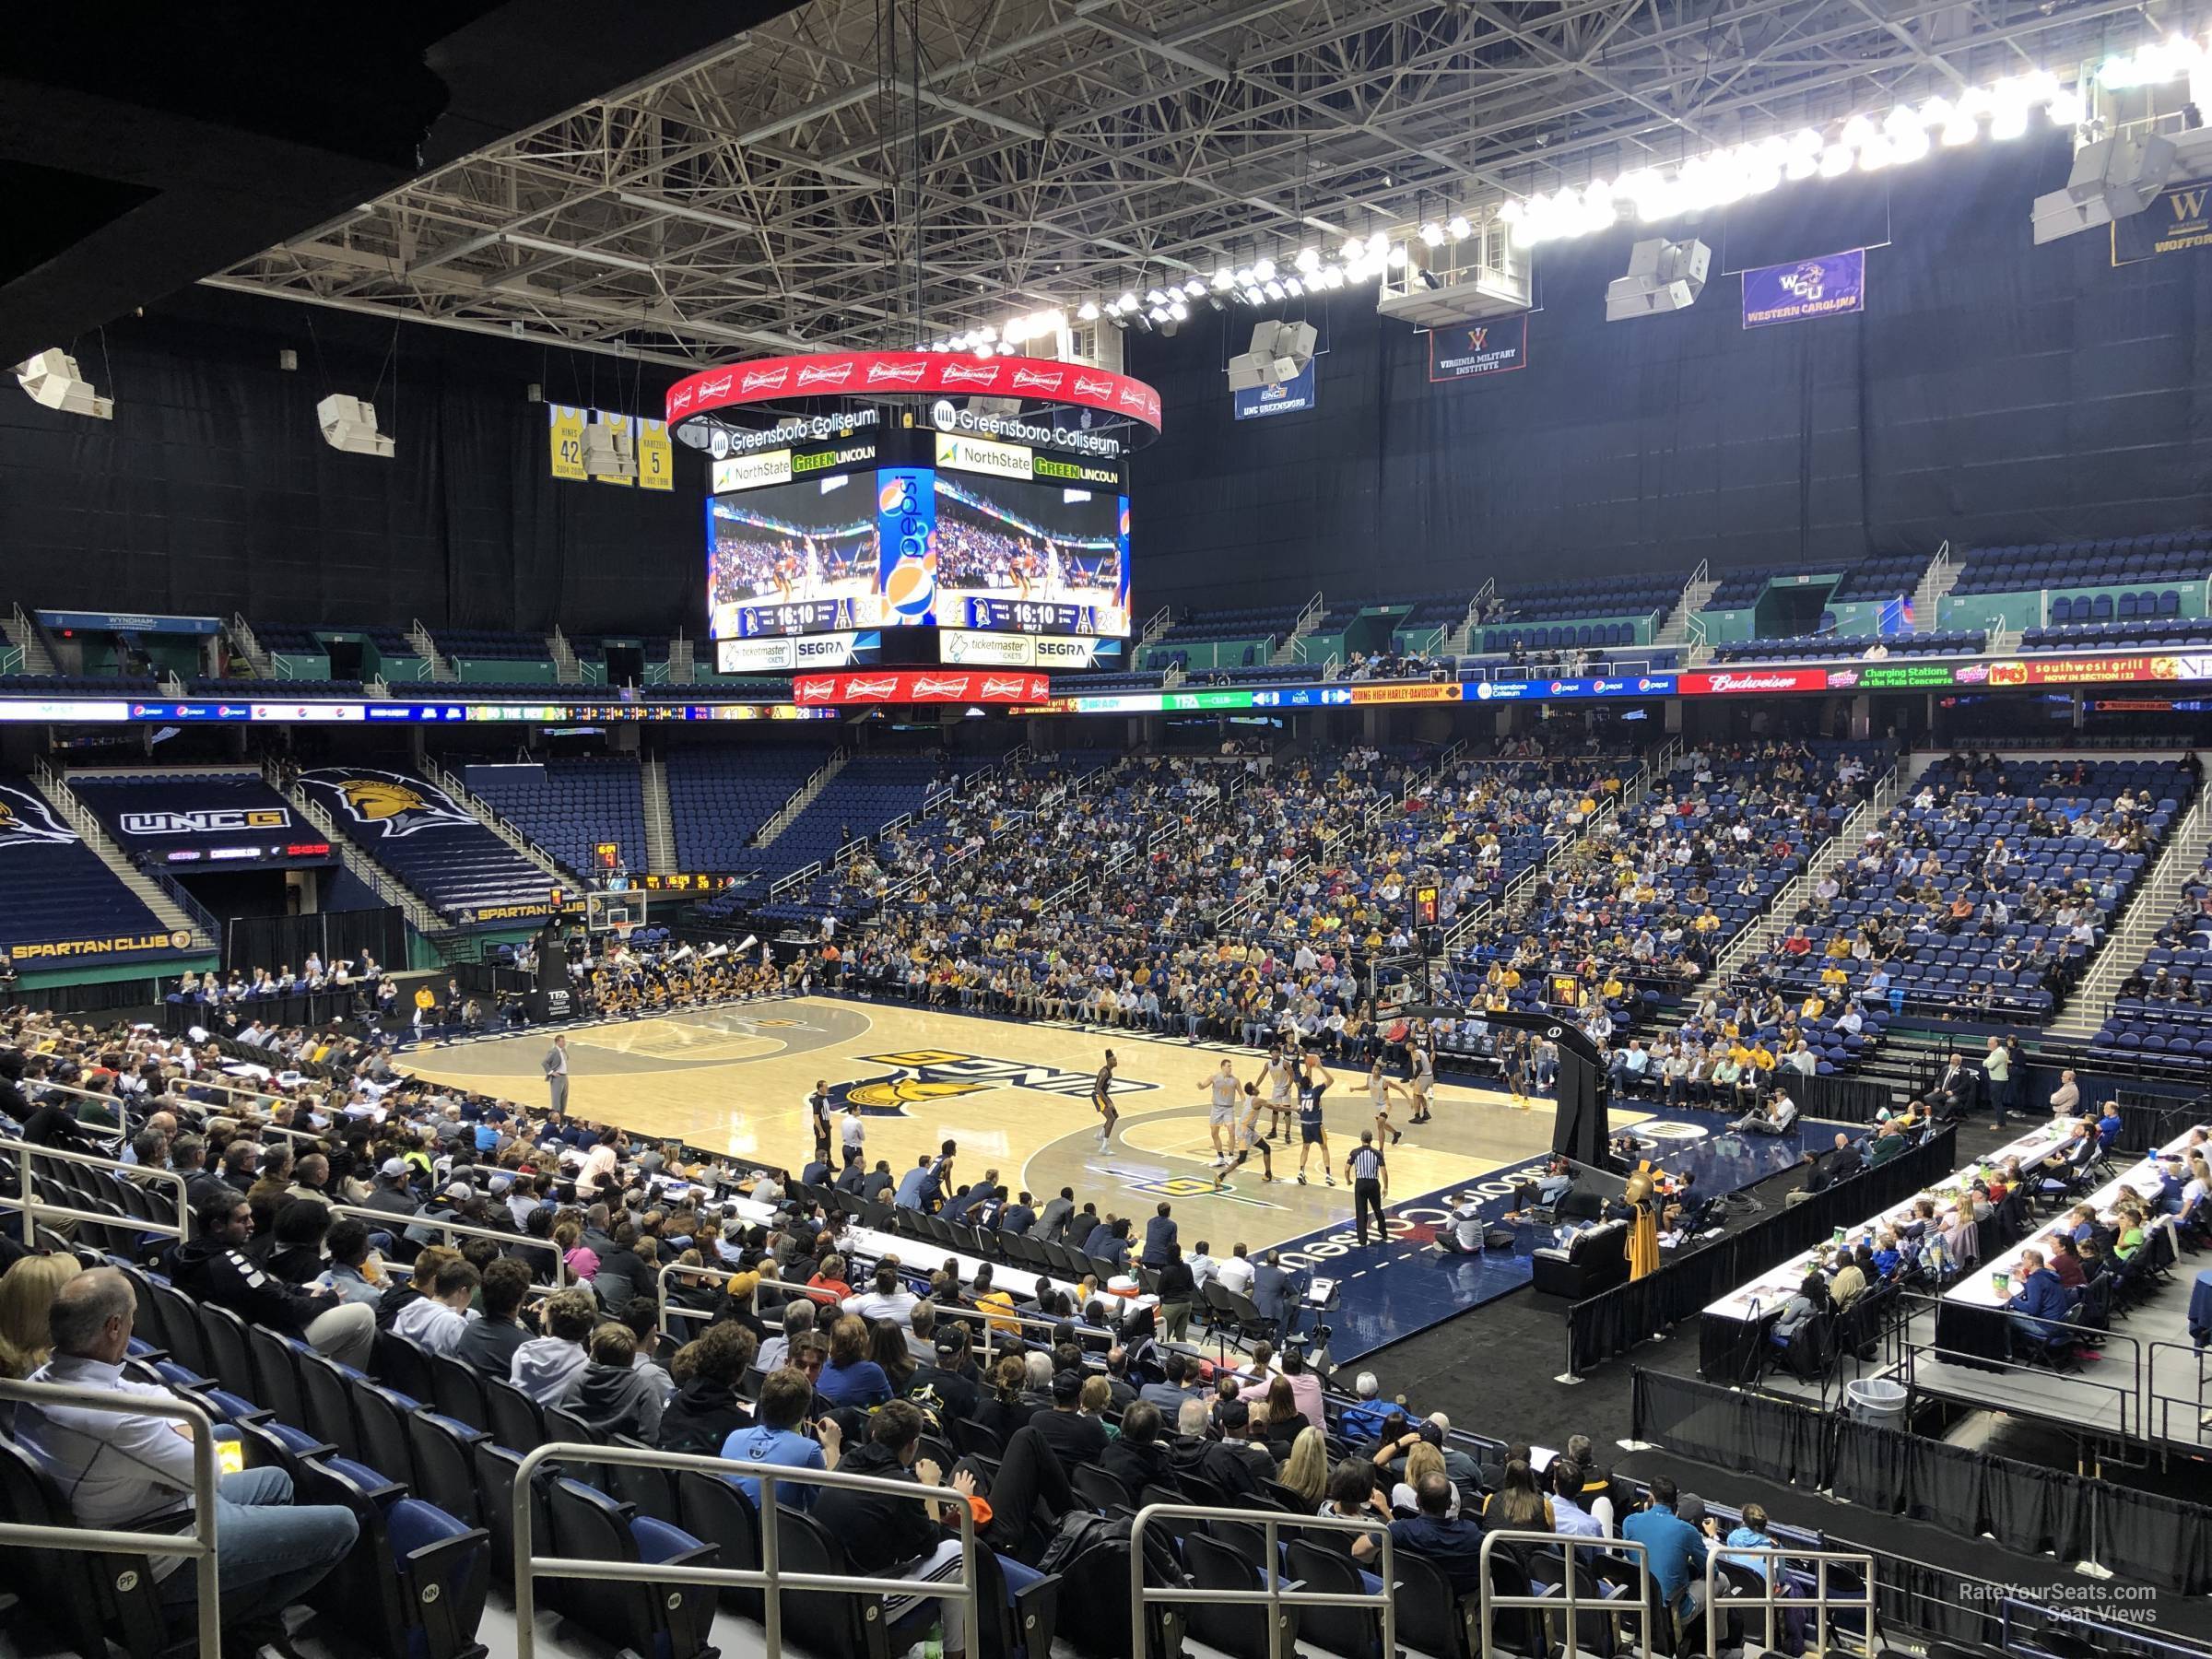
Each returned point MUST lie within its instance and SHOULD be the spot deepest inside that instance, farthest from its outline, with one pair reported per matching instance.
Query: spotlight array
(1867, 142)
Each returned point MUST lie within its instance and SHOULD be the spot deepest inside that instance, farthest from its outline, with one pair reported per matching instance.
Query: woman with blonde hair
(26, 1293)
(1306, 1470)
(1421, 1461)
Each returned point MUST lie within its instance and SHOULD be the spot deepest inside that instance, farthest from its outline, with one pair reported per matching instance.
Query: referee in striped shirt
(1368, 1173)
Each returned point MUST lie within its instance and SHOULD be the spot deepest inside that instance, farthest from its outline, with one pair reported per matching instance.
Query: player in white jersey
(1248, 1140)
(1379, 1090)
(1422, 1082)
(1281, 1078)
(1221, 1113)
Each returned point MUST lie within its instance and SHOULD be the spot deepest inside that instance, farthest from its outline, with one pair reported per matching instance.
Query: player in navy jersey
(1313, 1083)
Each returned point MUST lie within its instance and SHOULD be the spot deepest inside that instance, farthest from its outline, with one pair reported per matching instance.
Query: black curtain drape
(272, 942)
(2156, 1540)
(1615, 1321)
(1844, 1100)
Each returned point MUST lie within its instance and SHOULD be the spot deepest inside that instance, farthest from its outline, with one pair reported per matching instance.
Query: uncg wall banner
(1294, 396)
(2179, 221)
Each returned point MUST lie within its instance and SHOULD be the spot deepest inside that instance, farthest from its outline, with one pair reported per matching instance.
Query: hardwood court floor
(1016, 1096)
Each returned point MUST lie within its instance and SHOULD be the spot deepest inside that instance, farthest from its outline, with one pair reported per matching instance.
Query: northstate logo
(390, 803)
(924, 1076)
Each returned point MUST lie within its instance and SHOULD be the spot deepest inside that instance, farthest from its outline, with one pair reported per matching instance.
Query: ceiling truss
(777, 193)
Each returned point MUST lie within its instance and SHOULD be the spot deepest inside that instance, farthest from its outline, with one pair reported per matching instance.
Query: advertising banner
(920, 685)
(1293, 397)
(2178, 221)
(1825, 287)
(1472, 350)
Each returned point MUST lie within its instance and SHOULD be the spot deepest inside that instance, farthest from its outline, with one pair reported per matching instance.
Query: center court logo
(924, 1076)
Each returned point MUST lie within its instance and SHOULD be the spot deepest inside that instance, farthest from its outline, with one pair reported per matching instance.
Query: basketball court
(1015, 1095)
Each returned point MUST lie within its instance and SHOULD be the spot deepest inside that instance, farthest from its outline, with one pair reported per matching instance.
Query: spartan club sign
(919, 685)
(887, 374)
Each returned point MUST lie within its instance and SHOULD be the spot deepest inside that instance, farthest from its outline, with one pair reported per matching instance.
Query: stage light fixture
(1431, 234)
(1663, 277)
(1224, 278)
(1251, 296)
(349, 425)
(1272, 290)
(1278, 352)
(1262, 270)
(1087, 311)
(1333, 277)
(1178, 310)
(1353, 247)
(1155, 298)
(1127, 302)
(1308, 261)
(53, 381)
(609, 451)
(1378, 245)
(1395, 259)
(1192, 288)
(1293, 287)
(2113, 178)
(1459, 229)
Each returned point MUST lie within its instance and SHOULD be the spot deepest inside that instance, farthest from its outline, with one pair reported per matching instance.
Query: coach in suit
(1052, 1224)
(556, 1067)
(1275, 1292)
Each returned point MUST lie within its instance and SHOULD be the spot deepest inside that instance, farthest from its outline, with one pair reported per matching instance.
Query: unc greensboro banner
(1825, 287)
(1293, 397)
(1472, 350)
(2178, 220)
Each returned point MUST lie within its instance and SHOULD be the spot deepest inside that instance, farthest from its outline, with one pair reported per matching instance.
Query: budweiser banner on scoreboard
(921, 686)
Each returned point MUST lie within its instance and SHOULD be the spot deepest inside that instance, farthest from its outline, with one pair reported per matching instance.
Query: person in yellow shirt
(1834, 977)
(1763, 1057)
(1612, 988)
(1812, 1007)
(1511, 979)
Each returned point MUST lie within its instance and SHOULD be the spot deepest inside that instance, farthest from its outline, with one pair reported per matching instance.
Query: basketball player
(1280, 1075)
(1221, 1115)
(1311, 1131)
(1101, 1102)
(1379, 1090)
(1423, 1080)
(1248, 1140)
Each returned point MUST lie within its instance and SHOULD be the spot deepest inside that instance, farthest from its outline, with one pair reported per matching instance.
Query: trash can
(1875, 1403)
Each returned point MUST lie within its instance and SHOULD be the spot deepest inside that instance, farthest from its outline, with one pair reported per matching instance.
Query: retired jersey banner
(656, 455)
(2179, 221)
(568, 441)
(1472, 350)
(1804, 289)
(620, 423)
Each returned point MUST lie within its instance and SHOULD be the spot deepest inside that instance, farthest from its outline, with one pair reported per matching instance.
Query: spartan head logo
(25, 820)
(892, 1094)
(390, 803)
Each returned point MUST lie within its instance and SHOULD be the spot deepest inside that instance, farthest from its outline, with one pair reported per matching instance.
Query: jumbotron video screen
(1030, 557)
(793, 559)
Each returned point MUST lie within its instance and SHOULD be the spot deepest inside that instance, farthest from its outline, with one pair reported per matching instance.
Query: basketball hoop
(622, 930)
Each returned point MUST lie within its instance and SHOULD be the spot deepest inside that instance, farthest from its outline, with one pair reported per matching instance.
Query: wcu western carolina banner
(1825, 287)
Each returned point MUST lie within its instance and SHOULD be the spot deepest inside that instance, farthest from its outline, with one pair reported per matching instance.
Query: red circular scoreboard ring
(921, 686)
(911, 374)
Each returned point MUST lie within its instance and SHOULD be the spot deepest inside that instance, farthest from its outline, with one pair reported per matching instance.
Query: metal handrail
(1275, 1597)
(198, 1545)
(448, 1229)
(1771, 1602)
(2164, 1403)
(35, 1210)
(768, 1576)
(1567, 1601)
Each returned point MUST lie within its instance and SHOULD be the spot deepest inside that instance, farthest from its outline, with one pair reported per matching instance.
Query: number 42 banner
(649, 444)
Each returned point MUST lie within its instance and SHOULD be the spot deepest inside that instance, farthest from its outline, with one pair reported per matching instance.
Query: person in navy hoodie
(2040, 1305)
